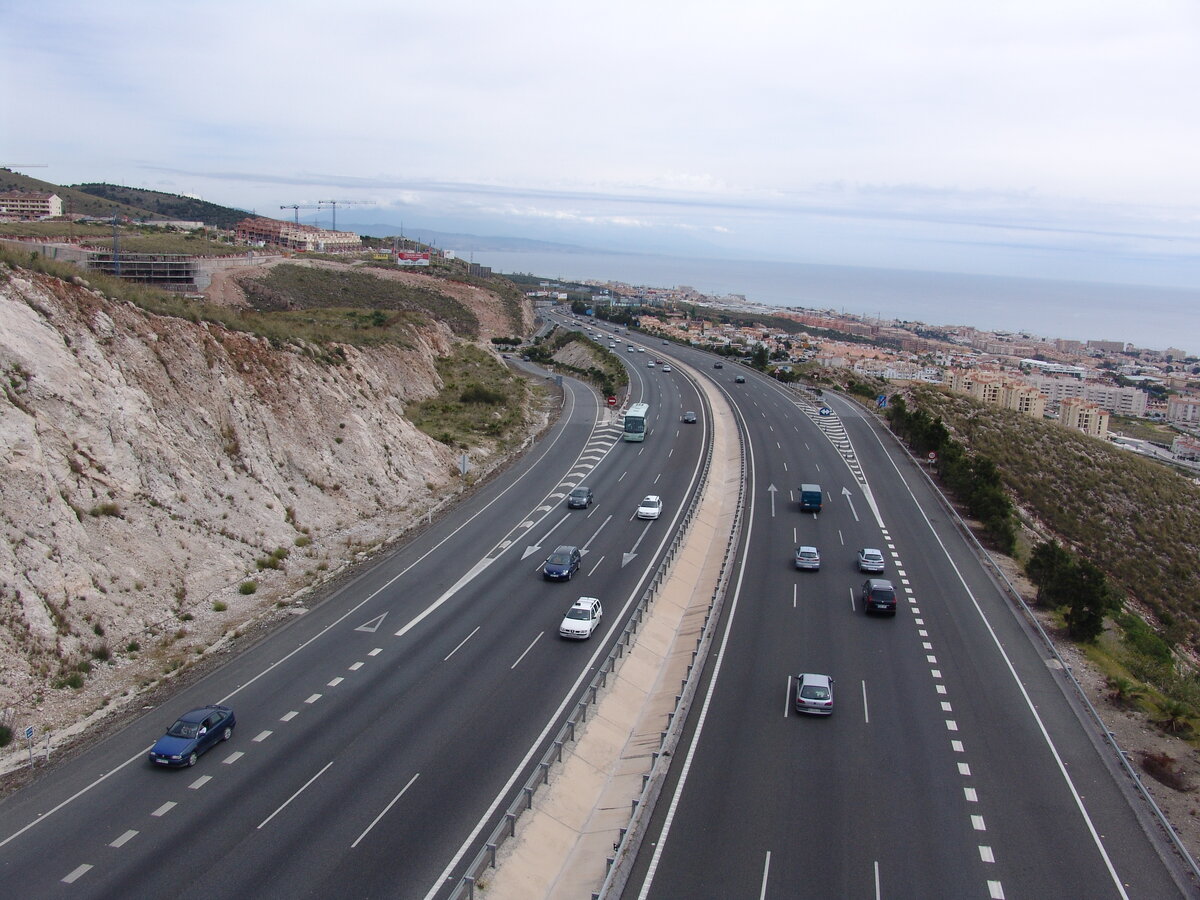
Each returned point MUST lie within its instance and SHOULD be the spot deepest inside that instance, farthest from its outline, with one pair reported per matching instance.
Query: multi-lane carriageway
(381, 733)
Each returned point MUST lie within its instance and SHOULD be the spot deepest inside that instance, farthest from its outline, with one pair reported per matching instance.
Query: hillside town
(1082, 384)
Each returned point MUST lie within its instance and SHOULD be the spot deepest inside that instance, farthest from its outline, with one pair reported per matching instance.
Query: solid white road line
(527, 649)
(762, 892)
(295, 795)
(463, 641)
(383, 813)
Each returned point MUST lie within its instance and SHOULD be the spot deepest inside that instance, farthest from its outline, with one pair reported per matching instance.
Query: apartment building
(1084, 416)
(290, 236)
(1121, 401)
(30, 205)
(1183, 410)
(997, 389)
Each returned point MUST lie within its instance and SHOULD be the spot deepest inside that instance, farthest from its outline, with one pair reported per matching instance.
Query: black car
(718, 365)
(562, 563)
(878, 595)
(193, 733)
(740, 379)
(580, 498)
(689, 418)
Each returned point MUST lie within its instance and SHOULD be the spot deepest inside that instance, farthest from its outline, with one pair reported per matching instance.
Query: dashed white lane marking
(288, 716)
(164, 809)
(76, 874)
(199, 782)
(940, 688)
(313, 699)
(936, 673)
(925, 645)
(124, 839)
(951, 725)
(376, 651)
(262, 736)
(336, 682)
(977, 823)
(970, 794)
(232, 758)
(931, 659)
(956, 746)
(964, 769)
(995, 890)
(985, 853)
(356, 667)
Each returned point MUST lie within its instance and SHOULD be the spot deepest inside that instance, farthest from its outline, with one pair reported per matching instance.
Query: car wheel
(227, 734)
(192, 759)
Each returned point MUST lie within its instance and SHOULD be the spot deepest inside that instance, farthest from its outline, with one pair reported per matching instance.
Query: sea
(1150, 317)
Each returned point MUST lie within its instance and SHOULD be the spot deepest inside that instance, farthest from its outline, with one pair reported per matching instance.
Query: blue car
(192, 734)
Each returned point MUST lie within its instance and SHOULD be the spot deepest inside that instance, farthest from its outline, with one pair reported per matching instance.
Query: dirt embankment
(166, 482)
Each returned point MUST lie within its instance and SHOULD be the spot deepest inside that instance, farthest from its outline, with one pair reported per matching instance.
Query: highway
(381, 734)
(955, 763)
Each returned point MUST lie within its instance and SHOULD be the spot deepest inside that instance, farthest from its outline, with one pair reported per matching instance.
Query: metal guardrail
(486, 857)
(997, 574)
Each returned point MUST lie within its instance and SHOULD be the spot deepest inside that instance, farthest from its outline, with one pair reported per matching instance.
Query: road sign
(932, 456)
(612, 401)
(826, 411)
(28, 732)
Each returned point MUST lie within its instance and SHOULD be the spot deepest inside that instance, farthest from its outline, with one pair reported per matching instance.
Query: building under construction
(289, 236)
(169, 271)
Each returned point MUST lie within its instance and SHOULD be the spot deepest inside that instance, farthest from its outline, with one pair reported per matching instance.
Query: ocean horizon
(1142, 315)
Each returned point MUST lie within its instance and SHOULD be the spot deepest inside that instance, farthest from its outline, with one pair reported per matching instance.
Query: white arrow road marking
(372, 626)
(772, 490)
(846, 494)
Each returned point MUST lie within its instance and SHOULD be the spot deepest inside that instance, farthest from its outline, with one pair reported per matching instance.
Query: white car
(650, 364)
(870, 560)
(650, 507)
(581, 619)
(666, 368)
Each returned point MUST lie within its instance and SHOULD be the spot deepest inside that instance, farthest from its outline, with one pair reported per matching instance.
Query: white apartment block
(30, 205)
(1123, 401)
(1183, 410)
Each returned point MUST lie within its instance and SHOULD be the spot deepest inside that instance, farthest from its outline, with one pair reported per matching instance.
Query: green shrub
(220, 606)
(247, 587)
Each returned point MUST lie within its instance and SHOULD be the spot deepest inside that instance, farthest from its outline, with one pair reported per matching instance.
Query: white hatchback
(650, 507)
(581, 619)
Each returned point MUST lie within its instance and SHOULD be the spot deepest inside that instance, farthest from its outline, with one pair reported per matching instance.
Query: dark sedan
(193, 733)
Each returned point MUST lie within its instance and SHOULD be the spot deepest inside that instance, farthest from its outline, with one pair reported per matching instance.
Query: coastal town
(1094, 386)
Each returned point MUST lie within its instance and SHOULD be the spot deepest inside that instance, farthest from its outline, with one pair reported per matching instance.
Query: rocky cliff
(166, 481)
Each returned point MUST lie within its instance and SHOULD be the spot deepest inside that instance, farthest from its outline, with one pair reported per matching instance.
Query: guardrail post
(558, 745)
(491, 849)
(512, 824)
(528, 797)
(470, 882)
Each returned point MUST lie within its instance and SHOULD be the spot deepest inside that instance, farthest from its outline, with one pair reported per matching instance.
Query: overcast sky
(1056, 139)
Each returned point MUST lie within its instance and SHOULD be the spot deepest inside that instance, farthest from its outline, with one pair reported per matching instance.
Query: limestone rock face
(152, 465)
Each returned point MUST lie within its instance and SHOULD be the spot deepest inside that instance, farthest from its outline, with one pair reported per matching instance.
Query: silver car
(814, 694)
(870, 560)
(808, 558)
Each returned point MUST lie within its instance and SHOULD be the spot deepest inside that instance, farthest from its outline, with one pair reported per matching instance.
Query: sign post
(29, 741)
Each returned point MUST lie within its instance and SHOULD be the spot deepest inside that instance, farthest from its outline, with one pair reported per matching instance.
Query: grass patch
(247, 587)
(480, 400)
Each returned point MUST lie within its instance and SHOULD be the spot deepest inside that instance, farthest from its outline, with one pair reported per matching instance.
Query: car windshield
(814, 692)
(579, 493)
(579, 614)
(184, 730)
(557, 559)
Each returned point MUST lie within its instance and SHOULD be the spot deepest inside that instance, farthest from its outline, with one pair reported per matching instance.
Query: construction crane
(336, 203)
(297, 207)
